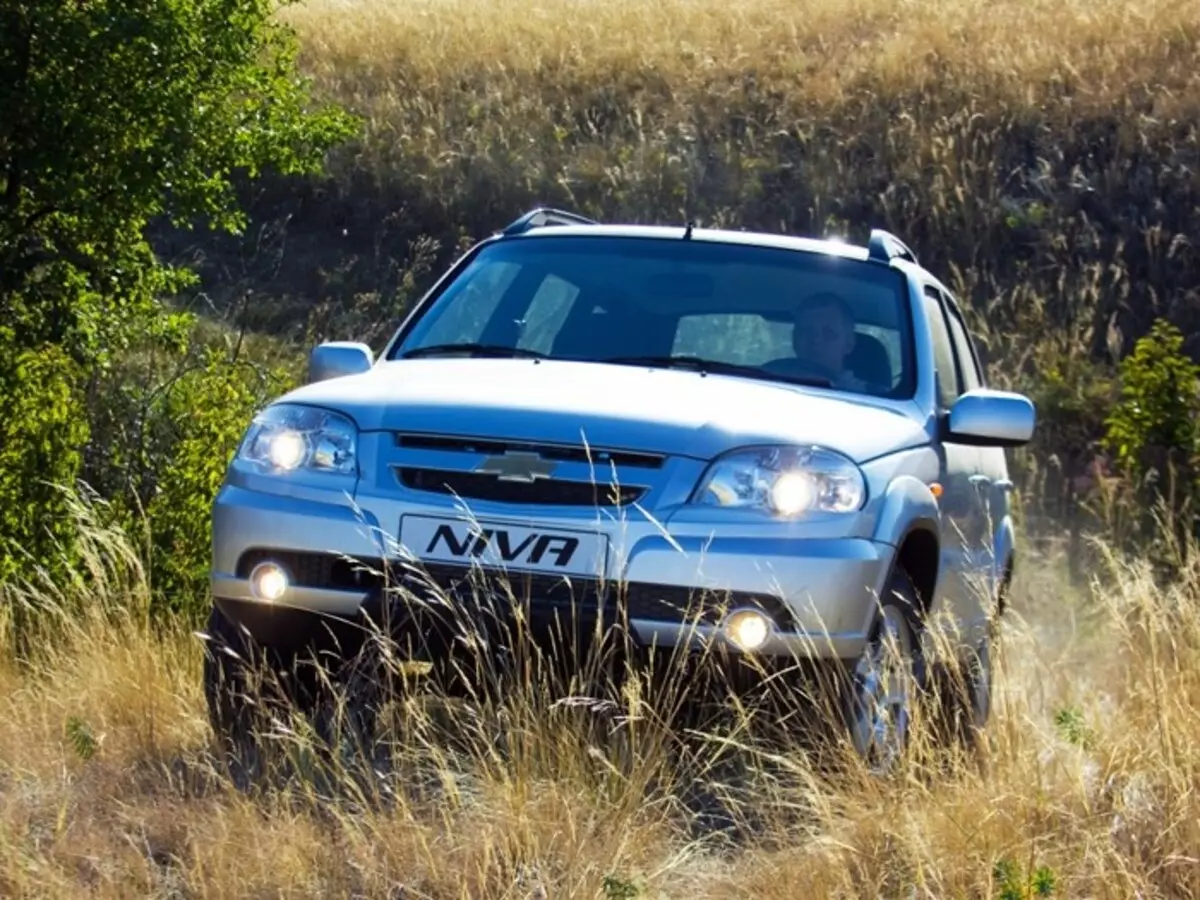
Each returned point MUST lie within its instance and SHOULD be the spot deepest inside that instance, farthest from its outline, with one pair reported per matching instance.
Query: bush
(43, 425)
(1154, 429)
(206, 411)
(1157, 414)
(118, 114)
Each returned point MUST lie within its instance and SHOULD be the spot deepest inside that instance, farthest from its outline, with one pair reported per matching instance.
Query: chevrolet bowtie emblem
(523, 467)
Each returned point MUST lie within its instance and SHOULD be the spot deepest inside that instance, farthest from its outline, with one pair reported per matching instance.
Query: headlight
(787, 481)
(284, 438)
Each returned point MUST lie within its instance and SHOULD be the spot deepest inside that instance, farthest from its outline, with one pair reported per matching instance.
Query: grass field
(1085, 785)
(1099, 53)
(606, 97)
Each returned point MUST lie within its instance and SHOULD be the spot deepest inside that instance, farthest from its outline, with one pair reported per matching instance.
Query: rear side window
(948, 386)
(968, 364)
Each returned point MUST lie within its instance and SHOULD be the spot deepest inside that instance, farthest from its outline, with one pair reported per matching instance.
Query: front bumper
(672, 589)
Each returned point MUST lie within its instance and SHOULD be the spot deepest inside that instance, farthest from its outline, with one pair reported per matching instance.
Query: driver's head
(823, 331)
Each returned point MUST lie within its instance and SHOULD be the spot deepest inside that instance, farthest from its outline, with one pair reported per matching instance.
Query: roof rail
(885, 246)
(545, 215)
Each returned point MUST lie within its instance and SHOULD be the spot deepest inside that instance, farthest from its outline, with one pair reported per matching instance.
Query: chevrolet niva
(626, 418)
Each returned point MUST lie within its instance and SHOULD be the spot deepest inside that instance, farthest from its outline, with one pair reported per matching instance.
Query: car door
(960, 470)
(991, 482)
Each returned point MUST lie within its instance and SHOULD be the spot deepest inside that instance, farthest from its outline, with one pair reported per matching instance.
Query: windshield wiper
(493, 350)
(700, 364)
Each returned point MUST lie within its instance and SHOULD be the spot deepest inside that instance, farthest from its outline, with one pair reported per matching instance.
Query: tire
(969, 694)
(879, 726)
(980, 682)
(981, 673)
(226, 653)
(241, 682)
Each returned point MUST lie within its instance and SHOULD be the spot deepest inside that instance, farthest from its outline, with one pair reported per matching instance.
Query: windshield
(753, 311)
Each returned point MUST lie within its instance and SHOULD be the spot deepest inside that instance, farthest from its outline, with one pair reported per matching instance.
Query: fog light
(748, 629)
(268, 582)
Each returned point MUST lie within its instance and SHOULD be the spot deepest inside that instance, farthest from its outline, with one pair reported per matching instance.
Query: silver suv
(780, 447)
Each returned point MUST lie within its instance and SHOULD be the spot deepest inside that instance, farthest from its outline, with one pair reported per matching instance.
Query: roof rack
(885, 246)
(545, 215)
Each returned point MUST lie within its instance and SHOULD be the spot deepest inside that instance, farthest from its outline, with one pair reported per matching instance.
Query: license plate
(516, 548)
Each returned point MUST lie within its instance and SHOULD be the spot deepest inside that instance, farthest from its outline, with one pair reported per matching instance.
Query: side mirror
(333, 359)
(989, 418)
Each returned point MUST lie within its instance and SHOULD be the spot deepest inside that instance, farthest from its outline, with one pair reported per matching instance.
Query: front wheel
(243, 683)
(888, 678)
(227, 658)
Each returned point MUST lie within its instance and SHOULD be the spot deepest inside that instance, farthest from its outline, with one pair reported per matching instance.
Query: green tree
(119, 114)
(208, 408)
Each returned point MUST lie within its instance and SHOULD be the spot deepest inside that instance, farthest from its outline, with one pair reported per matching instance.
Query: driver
(823, 336)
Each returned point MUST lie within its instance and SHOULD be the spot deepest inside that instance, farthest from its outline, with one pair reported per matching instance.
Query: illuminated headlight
(284, 438)
(785, 481)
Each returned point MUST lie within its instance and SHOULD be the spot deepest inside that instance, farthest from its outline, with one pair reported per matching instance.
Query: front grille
(558, 452)
(547, 492)
(634, 600)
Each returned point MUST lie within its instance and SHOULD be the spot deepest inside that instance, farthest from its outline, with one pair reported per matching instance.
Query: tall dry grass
(110, 786)
(819, 50)
(622, 101)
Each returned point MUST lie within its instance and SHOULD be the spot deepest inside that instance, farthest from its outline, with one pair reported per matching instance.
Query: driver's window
(972, 377)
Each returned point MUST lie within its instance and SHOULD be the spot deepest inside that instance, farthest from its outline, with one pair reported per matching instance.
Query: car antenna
(687, 231)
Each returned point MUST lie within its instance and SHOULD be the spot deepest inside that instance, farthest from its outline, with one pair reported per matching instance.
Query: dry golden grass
(434, 72)
(109, 786)
(832, 45)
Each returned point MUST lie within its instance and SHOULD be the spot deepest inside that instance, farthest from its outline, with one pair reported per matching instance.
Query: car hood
(671, 411)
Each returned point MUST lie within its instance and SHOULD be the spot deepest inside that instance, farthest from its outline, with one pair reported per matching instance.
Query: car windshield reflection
(777, 314)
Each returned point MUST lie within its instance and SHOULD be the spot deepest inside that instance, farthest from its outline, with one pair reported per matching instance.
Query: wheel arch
(919, 553)
(909, 520)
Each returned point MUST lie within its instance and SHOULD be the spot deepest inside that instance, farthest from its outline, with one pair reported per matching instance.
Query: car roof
(830, 247)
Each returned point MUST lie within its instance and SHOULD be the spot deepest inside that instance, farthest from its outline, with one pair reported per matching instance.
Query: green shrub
(118, 114)
(1157, 417)
(43, 425)
(1153, 432)
(203, 415)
